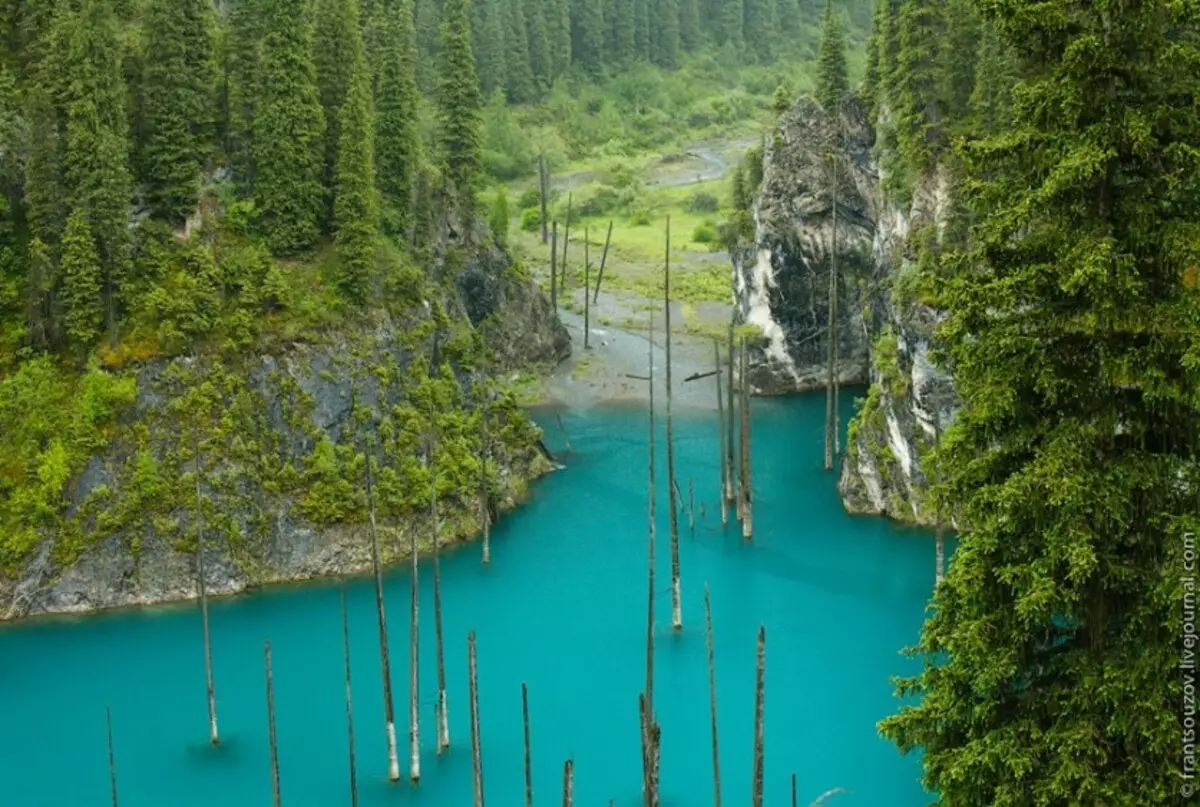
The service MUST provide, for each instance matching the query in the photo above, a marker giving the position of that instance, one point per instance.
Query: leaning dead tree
(214, 738)
(112, 760)
(731, 478)
(721, 437)
(757, 797)
(712, 698)
(603, 261)
(747, 490)
(473, 686)
(276, 798)
(381, 618)
(414, 674)
(676, 593)
(349, 702)
(441, 716)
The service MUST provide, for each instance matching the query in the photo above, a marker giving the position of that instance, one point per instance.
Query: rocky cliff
(885, 320)
(270, 444)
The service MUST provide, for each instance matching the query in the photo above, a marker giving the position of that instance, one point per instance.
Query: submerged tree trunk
(476, 752)
(485, 504)
(731, 478)
(566, 243)
(388, 712)
(676, 593)
(650, 497)
(747, 488)
(793, 790)
(349, 702)
(214, 738)
(414, 713)
(277, 799)
(712, 698)
(112, 760)
(442, 718)
(757, 797)
(721, 437)
(587, 291)
(568, 783)
(940, 538)
(528, 752)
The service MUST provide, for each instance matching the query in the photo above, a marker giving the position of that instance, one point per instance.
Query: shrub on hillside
(531, 219)
(702, 202)
(704, 234)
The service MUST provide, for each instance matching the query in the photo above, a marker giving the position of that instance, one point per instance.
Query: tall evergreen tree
(1053, 647)
(731, 21)
(100, 186)
(83, 308)
(995, 75)
(488, 34)
(831, 83)
(242, 38)
(520, 86)
(790, 19)
(289, 129)
(642, 37)
(689, 24)
(177, 89)
(460, 115)
(664, 31)
(875, 44)
(428, 23)
(758, 29)
(355, 211)
(623, 45)
(956, 59)
(45, 172)
(587, 46)
(539, 45)
(396, 137)
(917, 114)
(558, 33)
(337, 44)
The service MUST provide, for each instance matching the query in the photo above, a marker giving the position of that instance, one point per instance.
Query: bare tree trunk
(554, 267)
(691, 506)
(214, 738)
(349, 702)
(757, 798)
(112, 760)
(442, 718)
(414, 675)
(747, 488)
(644, 731)
(603, 262)
(654, 746)
(721, 437)
(528, 751)
(587, 291)
(676, 592)
(544, 188)
(830, 392)
(651, 498)
(566, 244)
(940, 538)
(388, 712)
(731, 478)
(836, 302)
(485, 504)
(277, 800)
(793, 790)
(476, 753)
(568, 783)
(712, 698)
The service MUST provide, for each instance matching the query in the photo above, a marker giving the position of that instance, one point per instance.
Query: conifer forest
(288, 288)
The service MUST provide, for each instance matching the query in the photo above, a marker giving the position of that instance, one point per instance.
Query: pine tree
(689, 24)
(758, 29)
(872, 77)
(1052, 649)
(790, 21)
(354, 198)
(289, 127)
(460, 108)
(539, 46)
(664, 31)
(337, 44)
(177, 91)
(396, 137)
(623, 37)
(99, 183)
(488, 29)
(558, 34)
(731, 17)
(917, 114)
(243, 36)
(428, 25)
(956, 59)
(831, 83)
(520, 85)
(587, 46)
(83, 307)
(45, 173)
(641, 29)
(991, 98)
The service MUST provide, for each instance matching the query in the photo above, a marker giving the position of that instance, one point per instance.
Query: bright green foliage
(558, 33)
(1073, 328)
(689, 24)
(242, 36)
(995, 74)
(488, 30)
(355, 212)
(177, 94)
(588, 40)
(289, 127)
(459, 112)
(337, 44)
(539, 46)
(99, 183)
(520, 84)
(499, 217)
(83, 309)
(758, 29)
(832, 84)
(396, 139)
(664, 32)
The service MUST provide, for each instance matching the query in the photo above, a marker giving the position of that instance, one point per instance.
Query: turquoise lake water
(562, 608)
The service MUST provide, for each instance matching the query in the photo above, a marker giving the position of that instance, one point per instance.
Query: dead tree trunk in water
(712, 698)
(214, 738)
(691, 506)
(676, 593)
(830, 391)
(442, 718)
(544, 189)
(566, 243)
(554, 268)
(939, 539)
(476, 753)
(485, 504)
(349, 702)
(528, 753)
(793, 790)
(277, 800)
(651, 497)
(603, 262)
(757, 798)
(568, 783)
(414, 650)
(112, 760)
(747, 489)
(721, 437)
(388, 712)
(587, 291)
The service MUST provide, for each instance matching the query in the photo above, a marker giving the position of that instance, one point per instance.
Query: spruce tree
(587, 19)
(243, 36)
(177, 92)
(1052, 650)
(831, 83)
(289, 129)
(874, 47)
(995, 75)
(689, 24)
(100, 186)
(558, 34)
(731, 17)
(624, 30)
(354, 197)
(641, 29)
(664, 30)
(917, 115)
(82, 304)
(396, 136)
(460, 115)
(956, 59)
(520, 86)
(539, 45)
(45, 177)
(337, 44)
(488, 29)
(428, 24)
(758, 27)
